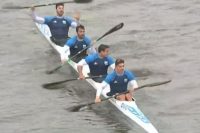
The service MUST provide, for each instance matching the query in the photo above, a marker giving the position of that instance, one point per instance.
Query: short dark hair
(119, 61)
(102, 47)
(59, 4)
(80, 27)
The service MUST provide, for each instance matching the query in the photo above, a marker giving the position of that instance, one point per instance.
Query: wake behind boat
(129, 108)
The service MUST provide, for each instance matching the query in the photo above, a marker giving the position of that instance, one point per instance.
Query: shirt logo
(54, 21)
(95, 63)
(84, 46)
(125, 80)
(75, 46)
(64, 22)
(115, 82)
(106, 63)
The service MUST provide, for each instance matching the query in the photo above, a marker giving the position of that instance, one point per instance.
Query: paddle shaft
(105, 99)
(48, 4)
(147, 85)
(143, 86)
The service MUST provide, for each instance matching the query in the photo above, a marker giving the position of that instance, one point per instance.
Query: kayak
(128, 108)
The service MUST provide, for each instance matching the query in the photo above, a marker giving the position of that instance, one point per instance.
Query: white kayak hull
(130, 109)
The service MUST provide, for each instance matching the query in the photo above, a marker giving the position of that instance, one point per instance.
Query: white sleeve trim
(91, 50)
(65, 53)
(82, 62)
(99, 90)
(74, 24)
(112, 66)
(37, 19)
(65, 49)
(134, 84)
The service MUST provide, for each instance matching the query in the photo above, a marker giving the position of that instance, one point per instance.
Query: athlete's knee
(128, 97)
(121, 97)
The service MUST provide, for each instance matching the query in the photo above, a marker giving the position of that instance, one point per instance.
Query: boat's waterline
(130, 109)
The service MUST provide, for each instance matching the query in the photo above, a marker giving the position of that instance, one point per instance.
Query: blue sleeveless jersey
(98, 66)
(76, 45)
(119, 83)
(59, 26)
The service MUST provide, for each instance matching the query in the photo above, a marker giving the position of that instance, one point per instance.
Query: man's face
(81, 33)
(105, 52)
(119, 68)
(60, 10)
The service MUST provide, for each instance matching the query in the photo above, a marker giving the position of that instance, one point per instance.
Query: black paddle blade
(81, 106)
(82, 1)
(49, 71)
(158, 83)
(53, 84)
(14, 7)
(50, 85)
(153, 84)
(76, 108)
(52, 71)
(55, 87)
(117, 27)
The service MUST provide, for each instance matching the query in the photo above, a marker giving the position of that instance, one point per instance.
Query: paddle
(48, 85)
(78, 107)
(117, 27)
(48, 4)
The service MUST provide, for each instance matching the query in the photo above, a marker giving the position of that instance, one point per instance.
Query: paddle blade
(153, 84)
(81, 106)
(117, 27)
(14, 7)
(50, 85)
(82, 1)
(76, 108)
(52, 71)
(158, 83)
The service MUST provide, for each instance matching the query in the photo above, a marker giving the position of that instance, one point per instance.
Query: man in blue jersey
(78, 43)
(58, 25)
(98, 63)
(118, 81)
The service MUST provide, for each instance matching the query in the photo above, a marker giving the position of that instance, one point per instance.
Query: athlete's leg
(121, 97)
(128, 96)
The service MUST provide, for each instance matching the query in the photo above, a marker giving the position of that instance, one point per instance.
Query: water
(160, 41)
